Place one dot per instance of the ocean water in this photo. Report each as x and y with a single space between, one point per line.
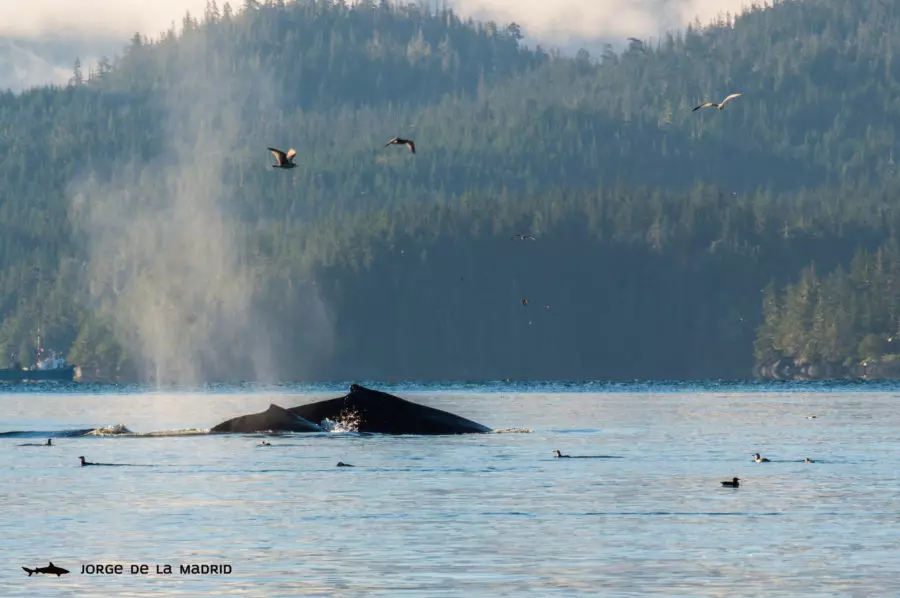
471 515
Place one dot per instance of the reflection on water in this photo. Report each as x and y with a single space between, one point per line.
481 515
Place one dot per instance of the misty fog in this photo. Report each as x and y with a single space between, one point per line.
167 257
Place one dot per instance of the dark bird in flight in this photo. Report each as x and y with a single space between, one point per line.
521 237
285 160
398 141
718 106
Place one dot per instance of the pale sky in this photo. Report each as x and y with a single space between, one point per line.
90 29
551 19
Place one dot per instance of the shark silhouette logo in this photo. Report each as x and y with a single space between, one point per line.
49 570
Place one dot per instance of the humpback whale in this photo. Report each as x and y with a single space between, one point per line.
378 412
275 419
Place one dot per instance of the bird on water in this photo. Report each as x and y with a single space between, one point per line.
399 141
734 483
759 459
718 106
559 455
285 160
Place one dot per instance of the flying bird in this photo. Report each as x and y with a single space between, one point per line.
398 141
284 160
718 106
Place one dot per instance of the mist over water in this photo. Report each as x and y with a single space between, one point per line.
168 259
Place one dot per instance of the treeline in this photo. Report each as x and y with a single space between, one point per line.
658 227
838 320
621 283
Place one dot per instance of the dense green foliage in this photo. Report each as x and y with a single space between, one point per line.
657 227
839 318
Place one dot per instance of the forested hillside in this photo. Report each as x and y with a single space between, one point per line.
145 233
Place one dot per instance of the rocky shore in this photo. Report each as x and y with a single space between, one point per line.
785 368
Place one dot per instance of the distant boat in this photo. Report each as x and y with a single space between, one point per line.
49 366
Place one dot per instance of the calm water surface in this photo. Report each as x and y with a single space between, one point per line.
475 515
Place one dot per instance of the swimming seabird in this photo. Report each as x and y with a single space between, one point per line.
285 160
734 483
525 301
83 462
759 459
718 106
398 141
559 455
522 237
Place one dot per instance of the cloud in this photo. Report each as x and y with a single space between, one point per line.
552 20
73 18
561 21
21 67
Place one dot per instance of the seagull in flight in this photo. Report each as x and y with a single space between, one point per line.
718 106
284 160
398 141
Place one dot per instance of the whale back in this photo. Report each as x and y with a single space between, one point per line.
378 412
275 418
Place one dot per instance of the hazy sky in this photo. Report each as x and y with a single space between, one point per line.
40 38
550 19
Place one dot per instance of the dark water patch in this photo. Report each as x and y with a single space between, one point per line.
279 445
813 462
472 386
119 465
677 514
47 433
564 457
116 431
